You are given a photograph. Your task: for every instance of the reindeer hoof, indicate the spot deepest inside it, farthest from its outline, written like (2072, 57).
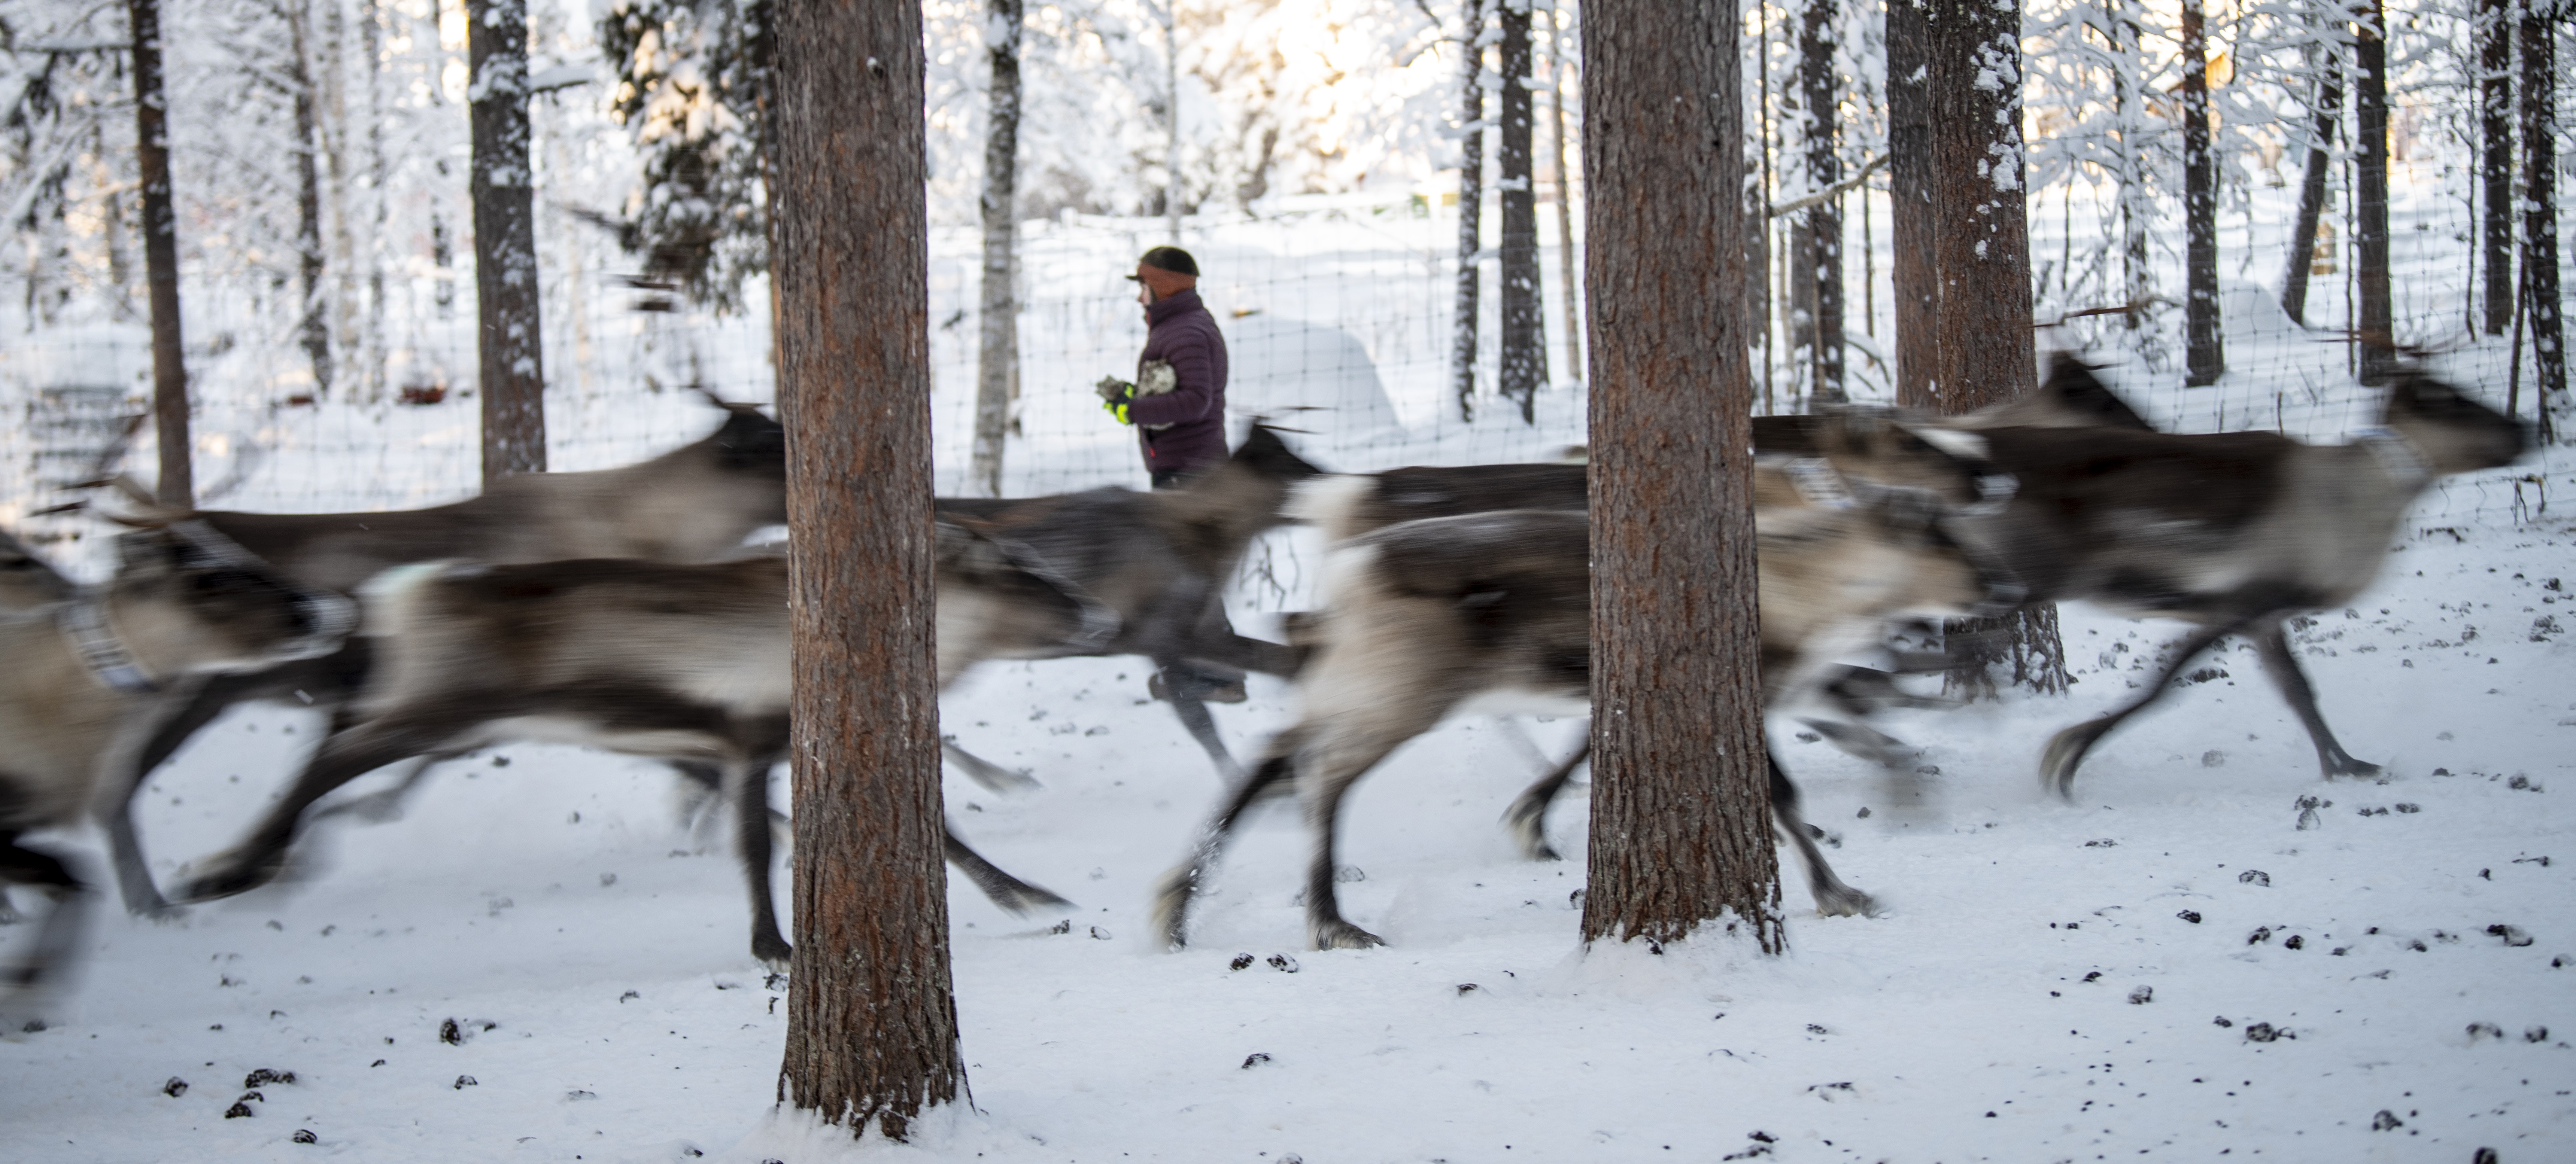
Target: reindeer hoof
(2357, 769)
(773, 952)
(1523, 821)
(1342, 935)
(1845, 901)
(2065, 752)
(232, 877)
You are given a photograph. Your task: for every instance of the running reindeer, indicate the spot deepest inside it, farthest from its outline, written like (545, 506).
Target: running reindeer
(1429, 615)
(81, 678)
(694, 504)
(2232, 532)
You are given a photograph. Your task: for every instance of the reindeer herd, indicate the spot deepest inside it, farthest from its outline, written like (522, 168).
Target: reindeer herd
(623, 610)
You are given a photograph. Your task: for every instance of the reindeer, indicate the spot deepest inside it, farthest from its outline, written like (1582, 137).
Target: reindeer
(1148, 571)
(1429, 615)
(684, 663)
(695, 503)
(2232, 531)
(80, 676)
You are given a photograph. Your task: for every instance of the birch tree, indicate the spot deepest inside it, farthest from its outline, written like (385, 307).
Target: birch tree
(1471, 198)
(1523, 362)
(2204, 352)
(177, 485)
(997, 351)
(509, 338)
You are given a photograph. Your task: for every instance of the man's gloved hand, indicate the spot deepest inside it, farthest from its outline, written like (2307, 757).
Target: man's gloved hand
(1115, 396)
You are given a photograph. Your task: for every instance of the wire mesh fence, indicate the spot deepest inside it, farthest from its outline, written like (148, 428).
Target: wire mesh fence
(1338, 313)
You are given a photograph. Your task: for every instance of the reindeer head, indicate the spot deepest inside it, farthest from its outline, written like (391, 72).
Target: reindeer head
(2453, 433)
(185, 600)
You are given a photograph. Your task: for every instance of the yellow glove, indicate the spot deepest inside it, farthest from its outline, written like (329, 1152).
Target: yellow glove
(1115, 396)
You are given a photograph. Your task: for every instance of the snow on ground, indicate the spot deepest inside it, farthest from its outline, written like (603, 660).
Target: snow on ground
(1988, 1016)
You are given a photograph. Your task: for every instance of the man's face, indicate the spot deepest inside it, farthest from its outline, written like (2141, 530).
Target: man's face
(1144, 290)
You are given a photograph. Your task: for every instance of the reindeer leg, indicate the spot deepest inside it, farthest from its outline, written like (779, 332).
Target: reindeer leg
(1011, 893)
(748, 781)
(345, 756)
(1185, 688)
(133, 873)
(1527, 816)
(992, 777)
(386, 806)
(2065, 750)
(2273, 643)
(61, 933)
(1172, 898)
(1833, 898)
(1350, 744)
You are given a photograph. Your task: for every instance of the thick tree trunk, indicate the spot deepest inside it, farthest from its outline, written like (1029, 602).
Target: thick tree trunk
(2377, 324)
(998, 351)
(1681, 831)
(314, 328)
(2204, 350)
(508, 336)
(161, 257)
(2312, 188)
(1570, 286)
(1821, 228)
(2495, 158)
(2540, 204)
(1471, 198)
(1523, 364)
(872, 1021)
(1983, 257)
(1911, 218)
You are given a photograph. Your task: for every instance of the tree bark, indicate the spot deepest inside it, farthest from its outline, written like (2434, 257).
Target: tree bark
(998, 350)
(1471, 196)
(872, 1022)
(508, 336)
(1821, 227)
(1983, 255)
(2204, 347)
(2137, 209)
(177, 485)
(2312, 189)
(1523, 363)
(1681, 831)
(1570, 287)
(2377, 324)
(2540, 203)
(313, 330)
(2495, 157)
(1911, 219)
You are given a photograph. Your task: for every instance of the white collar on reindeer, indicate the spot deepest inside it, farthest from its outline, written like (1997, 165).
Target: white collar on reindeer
(84, 621)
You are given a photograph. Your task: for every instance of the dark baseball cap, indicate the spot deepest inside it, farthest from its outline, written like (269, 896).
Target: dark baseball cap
(1172, 259)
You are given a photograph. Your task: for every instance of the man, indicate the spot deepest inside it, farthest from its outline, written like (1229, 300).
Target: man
(1178, 407)
(1178, 401)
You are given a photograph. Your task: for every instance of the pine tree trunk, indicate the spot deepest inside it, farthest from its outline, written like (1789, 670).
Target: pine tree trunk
(1471, 196)
(1523, 363)
(177, 485)
(998, 347)
(2495, 157)
(2540, 203)
(2204, 347)
(313, 329)
(1681, 830)
(1911, 219)
(2377, 324)
(1570, 286)
(1983, 256)
(509, 338)
(2312, 189)
(1822, 227)
(872, 1020)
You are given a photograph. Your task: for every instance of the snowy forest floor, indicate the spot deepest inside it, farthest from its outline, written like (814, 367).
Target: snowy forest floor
(596, 958)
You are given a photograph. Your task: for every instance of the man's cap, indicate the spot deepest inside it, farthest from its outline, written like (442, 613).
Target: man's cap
(1172, 259)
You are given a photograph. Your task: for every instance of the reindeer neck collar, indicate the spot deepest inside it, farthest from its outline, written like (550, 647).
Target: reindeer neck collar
(84, 622)
(2398, 457)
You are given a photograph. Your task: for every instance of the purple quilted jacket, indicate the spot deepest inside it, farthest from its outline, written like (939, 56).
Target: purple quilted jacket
(1180, 332)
